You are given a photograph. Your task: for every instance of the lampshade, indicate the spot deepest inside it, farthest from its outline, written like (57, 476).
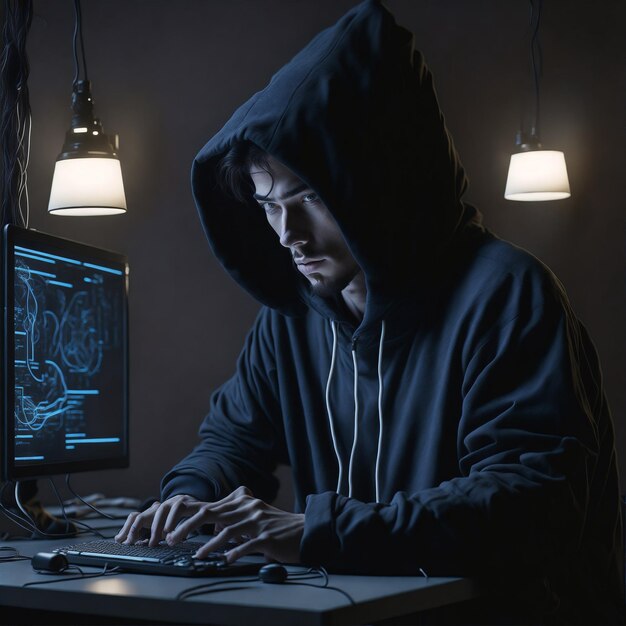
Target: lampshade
(87, 176)
(87, 186)
(537, 175)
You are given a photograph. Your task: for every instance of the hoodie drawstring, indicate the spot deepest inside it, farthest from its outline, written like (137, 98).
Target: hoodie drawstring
(356, 412)
(380, 408)
(356, 421)
(328, 410)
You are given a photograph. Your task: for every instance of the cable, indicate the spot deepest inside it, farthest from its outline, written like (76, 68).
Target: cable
(28, 524)
(19, 504)
(15, 108)
(16, 556)
(535, 50)
(114, 527)
(78, 33)
(214, 586)
(324, 573)
(16, 519)
(65, 569)
(76, 69)
(104, 572)
(25, 185)
(14, 559)
(8, 549)
(93, 508)
(32, 524)
(207, 587)
(22, 157)
(330, 587)
(90, 528)
(311, 572)
(10, 558)
(82, 43)
(23, 160)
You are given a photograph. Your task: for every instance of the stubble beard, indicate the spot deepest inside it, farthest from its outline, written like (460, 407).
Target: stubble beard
(329, 287)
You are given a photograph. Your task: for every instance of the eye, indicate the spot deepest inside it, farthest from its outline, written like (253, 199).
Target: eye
(270, 207)
(310, 197)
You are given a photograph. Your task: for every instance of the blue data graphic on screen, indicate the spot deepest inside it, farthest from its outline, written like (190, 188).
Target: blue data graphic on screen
(69, 358)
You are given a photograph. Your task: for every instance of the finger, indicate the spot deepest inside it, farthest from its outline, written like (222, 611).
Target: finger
(127, 534)
(239, 495)
(138, 535)
(258, 544)
(204, 516)
(218, 528)
(142, 521)
(156, 528)
(187, 526)
(221, 540)
(232, 508)
(242, 491)
(181, 509)
(123, 532)
(208, 514)
(167, 516)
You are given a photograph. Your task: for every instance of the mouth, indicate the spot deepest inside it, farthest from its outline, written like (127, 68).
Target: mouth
(307, 267)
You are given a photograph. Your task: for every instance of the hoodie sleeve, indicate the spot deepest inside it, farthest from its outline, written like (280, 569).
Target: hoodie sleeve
(526, 447)
(241, 442)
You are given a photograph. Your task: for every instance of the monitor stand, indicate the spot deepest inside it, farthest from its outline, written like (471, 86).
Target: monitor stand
(46, 523)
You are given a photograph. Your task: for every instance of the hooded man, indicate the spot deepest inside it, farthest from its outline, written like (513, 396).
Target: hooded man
(439, 404)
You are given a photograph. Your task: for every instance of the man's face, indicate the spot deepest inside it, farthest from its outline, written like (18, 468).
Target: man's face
(305, 226)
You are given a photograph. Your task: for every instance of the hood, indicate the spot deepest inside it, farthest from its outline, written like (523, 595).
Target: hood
(355, 116)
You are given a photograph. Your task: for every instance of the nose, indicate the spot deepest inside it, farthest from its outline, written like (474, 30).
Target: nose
(293, 231)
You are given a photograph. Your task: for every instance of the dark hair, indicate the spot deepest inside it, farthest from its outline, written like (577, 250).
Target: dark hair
(234, 167)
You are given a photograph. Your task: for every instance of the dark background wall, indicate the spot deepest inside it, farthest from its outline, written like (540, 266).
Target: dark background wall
(167, 75)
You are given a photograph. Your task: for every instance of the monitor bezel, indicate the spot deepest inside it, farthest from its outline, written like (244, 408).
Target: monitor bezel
(15, 235)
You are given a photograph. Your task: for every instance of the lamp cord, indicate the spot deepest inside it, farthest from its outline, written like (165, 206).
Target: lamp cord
(78, 32)
(536, 59)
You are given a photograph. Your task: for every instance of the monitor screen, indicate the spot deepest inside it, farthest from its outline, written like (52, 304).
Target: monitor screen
(65, 356)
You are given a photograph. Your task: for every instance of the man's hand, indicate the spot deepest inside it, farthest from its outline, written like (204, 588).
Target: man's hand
(160, 519)
(243, 518)
(240, 517)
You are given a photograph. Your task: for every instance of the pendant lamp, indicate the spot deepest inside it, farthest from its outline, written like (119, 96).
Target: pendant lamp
(536, 174)
(87, 175)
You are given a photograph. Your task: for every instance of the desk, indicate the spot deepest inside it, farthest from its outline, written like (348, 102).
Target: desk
(138, 597)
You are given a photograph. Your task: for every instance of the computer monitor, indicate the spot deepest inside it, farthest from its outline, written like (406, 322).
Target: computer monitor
(65, 356)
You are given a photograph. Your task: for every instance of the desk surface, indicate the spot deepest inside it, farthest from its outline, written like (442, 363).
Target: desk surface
(144, 597)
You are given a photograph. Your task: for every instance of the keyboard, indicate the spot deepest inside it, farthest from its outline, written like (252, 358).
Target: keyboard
(162, 559)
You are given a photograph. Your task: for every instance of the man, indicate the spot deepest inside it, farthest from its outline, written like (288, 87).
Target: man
(439, 404)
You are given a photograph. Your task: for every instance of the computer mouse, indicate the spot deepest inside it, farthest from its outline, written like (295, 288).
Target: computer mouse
(49, 562)
(273, 573)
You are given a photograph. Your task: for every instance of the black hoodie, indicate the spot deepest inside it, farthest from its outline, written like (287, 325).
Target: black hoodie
(484, 444)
